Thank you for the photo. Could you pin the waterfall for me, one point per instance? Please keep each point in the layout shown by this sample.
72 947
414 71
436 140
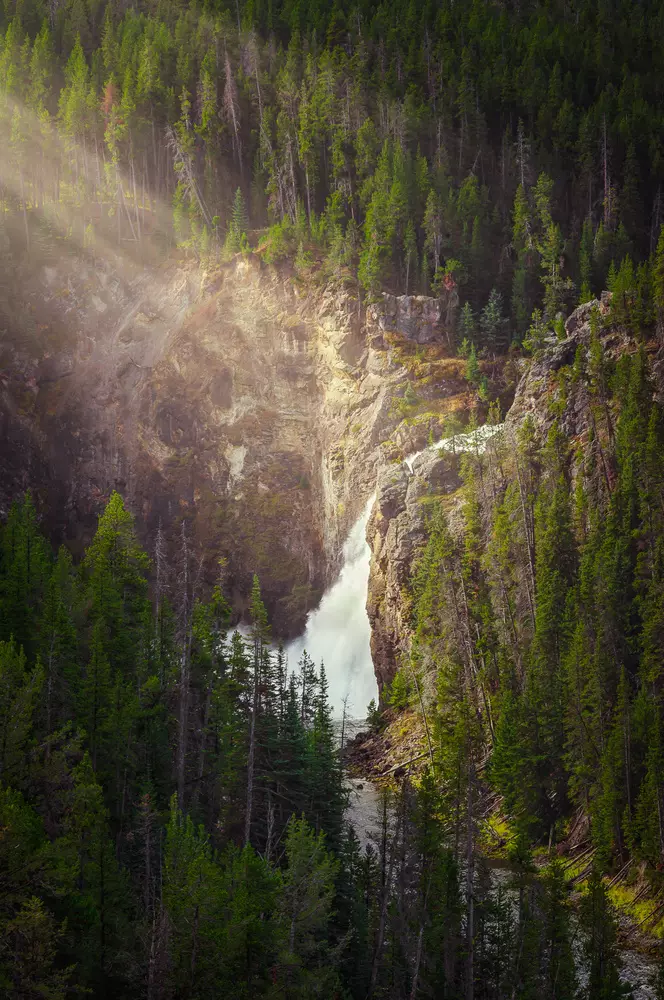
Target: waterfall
471 441
337 631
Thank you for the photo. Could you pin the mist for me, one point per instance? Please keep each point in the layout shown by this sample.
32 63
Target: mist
338 632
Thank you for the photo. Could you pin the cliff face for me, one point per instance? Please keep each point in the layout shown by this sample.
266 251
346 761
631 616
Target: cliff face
396 532
397 527
258 414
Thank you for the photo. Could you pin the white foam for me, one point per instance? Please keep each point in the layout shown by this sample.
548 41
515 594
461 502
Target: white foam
337 631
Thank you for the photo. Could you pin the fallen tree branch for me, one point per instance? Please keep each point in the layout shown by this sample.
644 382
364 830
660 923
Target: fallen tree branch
404 763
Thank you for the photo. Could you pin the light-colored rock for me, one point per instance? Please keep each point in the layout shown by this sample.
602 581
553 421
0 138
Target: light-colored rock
396 533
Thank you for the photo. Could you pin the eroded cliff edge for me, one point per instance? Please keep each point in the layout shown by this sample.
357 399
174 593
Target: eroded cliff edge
257 413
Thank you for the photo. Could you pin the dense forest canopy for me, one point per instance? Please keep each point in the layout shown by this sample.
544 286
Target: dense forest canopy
512 151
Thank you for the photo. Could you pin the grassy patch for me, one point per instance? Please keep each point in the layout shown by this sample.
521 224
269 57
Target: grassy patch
642 908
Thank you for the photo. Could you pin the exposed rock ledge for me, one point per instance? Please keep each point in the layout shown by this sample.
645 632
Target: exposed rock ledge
396 532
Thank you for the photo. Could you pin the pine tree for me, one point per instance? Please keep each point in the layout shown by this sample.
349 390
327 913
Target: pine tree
473 372
192 886
325 772
467 330
20 690
585 261
25 571
492 322
32 937
97 909
238 224
658 282
305 908
561 981
58 646
599 926
116 586
260 632
409 254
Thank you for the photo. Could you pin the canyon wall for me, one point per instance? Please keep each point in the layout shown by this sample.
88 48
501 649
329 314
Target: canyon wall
255 411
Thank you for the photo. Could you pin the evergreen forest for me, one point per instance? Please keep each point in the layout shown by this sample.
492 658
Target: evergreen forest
509 155
174 803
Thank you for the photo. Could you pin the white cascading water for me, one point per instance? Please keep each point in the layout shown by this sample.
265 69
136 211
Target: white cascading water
337 631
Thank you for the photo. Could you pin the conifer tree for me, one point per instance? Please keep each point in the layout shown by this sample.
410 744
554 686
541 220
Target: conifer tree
473 371
599 927
259 639
658 282
491 322
305 909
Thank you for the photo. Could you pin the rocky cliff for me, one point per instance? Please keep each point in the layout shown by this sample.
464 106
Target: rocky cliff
396 531
257 413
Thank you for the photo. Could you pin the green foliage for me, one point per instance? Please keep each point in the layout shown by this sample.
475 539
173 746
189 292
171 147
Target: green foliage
492 322
399 695
473 372
601 953
387 146
522 594
236 237
31 940
537 636
374 716
537 333
301 131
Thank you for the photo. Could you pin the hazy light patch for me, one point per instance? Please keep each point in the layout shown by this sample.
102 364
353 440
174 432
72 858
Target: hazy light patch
71 188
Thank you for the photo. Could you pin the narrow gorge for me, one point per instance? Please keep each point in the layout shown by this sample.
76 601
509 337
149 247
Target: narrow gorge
259 415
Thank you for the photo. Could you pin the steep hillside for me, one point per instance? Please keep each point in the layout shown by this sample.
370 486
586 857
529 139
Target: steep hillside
551 392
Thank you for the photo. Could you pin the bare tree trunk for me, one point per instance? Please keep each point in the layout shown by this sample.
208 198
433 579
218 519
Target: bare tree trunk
470 901
251 760
203 746
49 693
387 882
232 109
184 673
420 941
270 826
530 543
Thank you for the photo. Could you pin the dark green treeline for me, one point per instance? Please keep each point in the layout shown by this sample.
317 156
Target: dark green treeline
539 614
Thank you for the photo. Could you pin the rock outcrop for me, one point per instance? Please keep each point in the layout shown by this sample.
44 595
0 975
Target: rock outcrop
420 318
396 533
257 413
